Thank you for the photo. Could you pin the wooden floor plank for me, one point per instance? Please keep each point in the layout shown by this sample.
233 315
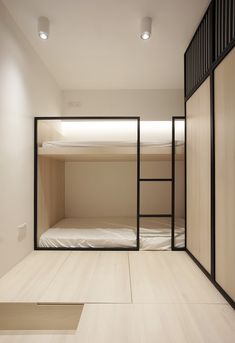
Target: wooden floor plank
169 277
91 277
141 323
27 281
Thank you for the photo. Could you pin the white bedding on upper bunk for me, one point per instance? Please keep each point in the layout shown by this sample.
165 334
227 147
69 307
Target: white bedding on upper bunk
93 144
155 233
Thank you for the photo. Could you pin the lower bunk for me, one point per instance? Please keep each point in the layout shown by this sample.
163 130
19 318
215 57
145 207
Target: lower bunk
111 232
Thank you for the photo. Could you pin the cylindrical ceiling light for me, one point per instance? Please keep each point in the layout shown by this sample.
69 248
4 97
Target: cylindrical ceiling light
43 27
146 28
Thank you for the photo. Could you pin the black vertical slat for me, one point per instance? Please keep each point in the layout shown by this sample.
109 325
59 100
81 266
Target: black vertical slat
206 43
209 36
212 33
215 28
173 186
185 74
222 26
219 27
186 57
138 187
192 65
190 70
229 14
196 60
185 175
220 14
212 151
233 19
199 55
201 50
193 68
35 182
226 20
225 23
204 50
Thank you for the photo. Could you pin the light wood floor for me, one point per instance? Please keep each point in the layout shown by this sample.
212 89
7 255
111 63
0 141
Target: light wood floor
140 297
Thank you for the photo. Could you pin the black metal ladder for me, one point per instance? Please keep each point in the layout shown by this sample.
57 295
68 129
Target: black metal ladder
171 180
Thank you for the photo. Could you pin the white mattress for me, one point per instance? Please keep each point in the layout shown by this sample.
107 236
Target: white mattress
75 144
155 234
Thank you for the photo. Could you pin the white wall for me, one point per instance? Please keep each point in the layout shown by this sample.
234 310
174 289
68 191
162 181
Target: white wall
149 104
26 89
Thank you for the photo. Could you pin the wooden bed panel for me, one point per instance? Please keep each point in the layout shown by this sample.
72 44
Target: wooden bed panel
198 175
51 193
225 173
49 130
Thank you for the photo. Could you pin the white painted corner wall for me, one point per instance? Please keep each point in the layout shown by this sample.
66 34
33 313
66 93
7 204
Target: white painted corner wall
26 89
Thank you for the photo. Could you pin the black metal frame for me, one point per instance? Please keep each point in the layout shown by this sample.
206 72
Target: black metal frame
217 56
173 247
139 180
36 119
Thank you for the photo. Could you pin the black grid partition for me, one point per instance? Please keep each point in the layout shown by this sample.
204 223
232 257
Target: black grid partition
36 120
224 25
198 57
212 39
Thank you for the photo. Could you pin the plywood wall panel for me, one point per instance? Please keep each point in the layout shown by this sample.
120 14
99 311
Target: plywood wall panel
198 175
51 189
225 173
96 189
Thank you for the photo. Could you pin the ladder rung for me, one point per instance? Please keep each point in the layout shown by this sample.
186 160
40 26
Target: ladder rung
155 179
167 215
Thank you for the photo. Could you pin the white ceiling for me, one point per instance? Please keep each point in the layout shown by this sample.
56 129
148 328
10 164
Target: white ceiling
95 44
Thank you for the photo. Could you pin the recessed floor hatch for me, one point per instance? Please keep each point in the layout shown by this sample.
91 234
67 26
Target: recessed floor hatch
32 316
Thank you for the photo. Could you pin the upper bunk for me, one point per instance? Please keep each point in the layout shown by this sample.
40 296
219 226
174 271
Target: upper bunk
108 140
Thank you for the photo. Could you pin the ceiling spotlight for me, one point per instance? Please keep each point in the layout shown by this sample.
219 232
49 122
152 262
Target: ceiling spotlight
146 28
43 28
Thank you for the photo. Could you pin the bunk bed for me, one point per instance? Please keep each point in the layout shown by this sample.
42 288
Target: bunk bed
155 233
54 147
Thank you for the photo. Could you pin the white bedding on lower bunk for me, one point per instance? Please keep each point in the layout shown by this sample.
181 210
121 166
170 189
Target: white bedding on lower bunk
155 233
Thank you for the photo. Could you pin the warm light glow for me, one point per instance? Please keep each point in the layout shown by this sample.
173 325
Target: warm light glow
43 35
118 130
100 130
145 35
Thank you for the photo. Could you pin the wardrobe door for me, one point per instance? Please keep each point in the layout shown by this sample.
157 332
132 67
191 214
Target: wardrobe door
198 175
225 173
